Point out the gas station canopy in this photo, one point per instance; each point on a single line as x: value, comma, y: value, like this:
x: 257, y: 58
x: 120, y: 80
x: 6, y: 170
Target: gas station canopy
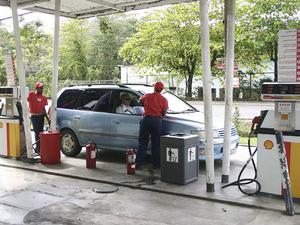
x: 90, y: 8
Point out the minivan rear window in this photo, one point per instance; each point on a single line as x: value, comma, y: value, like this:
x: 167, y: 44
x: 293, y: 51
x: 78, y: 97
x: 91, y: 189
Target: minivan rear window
x: 68, y: 99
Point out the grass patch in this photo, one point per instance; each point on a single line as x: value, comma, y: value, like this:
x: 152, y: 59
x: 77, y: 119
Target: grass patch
x: 244, y: 141
x: 243, y: 131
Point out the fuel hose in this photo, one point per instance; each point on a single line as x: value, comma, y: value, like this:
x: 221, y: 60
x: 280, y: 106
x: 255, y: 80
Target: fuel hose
x: 246, y: 181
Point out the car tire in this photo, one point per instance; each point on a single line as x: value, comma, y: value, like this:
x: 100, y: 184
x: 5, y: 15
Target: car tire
x: 69, y: 143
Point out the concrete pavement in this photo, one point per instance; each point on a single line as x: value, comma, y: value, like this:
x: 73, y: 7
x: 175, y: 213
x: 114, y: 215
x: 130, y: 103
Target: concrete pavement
x: 111, y: 169
x: 40, y: 199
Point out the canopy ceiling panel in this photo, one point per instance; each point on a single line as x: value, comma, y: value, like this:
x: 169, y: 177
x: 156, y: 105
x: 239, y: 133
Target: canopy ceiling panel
x: 90, y: 8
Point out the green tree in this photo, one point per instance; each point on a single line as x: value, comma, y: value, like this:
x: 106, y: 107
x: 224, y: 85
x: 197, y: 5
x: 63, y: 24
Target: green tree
x: 75, y: 45
x: 258, y: 23
x: 111, y: 34
x: 5, y: 48
x: 36, y: 48
x: 168, y: 41
x: 37, y: 51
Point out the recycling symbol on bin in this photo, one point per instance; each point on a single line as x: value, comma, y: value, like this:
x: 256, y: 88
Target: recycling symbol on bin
x: 172, y: 155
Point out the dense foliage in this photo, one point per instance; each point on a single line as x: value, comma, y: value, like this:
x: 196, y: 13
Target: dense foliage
x: 37, y: 52
x: 169, y: 39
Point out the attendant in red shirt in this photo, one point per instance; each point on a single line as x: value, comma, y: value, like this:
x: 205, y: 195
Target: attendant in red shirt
x: 37, y: 102
x: 155, y: 106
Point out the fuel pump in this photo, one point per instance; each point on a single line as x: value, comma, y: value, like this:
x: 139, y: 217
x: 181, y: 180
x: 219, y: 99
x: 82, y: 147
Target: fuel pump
x: 279, y: 142
x: 276, y: 160
x: 278, y: 130
x: 10, y: 97
x: 12, y: 138
x: 285, y: 117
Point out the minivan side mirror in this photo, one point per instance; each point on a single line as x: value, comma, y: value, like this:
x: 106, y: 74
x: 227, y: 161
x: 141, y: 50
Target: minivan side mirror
x: 138, y: 110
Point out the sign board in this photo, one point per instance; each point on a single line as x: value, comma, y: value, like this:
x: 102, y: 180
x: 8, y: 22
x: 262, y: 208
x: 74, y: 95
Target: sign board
x: 289, y: 55
x: 284, y: 107
x: 10, y: 70
x: 221, y: 65
x: 172, y: 155
x: 236, y: 82
x: 191, y: 154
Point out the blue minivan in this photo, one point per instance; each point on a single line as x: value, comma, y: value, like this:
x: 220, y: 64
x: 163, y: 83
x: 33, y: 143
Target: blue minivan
x: 88, y: 113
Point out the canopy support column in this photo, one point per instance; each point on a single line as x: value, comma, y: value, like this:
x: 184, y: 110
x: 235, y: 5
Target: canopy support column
x: 207, y: 96
x: 22, y: 80
x: 229, y: 88
x: 55, y: 65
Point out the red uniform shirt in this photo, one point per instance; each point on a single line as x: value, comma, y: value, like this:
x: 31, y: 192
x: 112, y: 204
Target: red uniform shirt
x: 37, y: 102
x: 154, y: 104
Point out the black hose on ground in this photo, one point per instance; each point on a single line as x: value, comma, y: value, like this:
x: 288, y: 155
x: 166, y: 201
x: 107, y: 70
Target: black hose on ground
x: 240, y: 182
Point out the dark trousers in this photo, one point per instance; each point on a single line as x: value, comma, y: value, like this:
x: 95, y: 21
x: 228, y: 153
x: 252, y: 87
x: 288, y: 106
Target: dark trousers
x: 150, y: 125
x: 38, y: 126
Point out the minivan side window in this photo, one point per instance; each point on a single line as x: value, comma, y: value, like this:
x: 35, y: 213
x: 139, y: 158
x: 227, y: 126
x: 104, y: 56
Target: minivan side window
x: 68, y: 99
x: 90, y: 99
x: 116, y: 99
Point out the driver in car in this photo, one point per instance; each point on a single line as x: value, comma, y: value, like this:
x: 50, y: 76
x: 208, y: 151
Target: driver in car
x: 125, y: 105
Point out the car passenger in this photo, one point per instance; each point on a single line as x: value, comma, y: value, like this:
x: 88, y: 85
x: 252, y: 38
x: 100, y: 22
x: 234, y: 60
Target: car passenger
x: 125, y: 105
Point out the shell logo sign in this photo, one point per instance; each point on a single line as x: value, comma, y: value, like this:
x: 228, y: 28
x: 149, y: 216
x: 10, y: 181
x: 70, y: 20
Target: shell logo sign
x: 268, y: 144
x: 1, y: 125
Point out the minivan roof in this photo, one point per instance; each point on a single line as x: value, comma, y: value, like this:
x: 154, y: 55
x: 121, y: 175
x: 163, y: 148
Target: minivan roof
x: 138, y: 87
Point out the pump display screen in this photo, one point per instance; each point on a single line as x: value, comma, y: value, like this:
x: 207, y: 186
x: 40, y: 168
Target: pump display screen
x: 9, y: 92
x: 6, y: 91
x: 280, y: 91
x: 283, y: 89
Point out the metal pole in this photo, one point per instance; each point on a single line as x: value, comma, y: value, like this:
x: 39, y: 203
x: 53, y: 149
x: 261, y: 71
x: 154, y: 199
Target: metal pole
x: 285, y: 180
x: 207, y: 96
x: 22, y: 81
x: 228, y: 90
x: 55, y: 65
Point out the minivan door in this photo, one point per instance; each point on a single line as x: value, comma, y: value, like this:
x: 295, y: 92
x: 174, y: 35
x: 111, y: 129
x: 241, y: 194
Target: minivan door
x: 95, y: 117
x: 124, y: 126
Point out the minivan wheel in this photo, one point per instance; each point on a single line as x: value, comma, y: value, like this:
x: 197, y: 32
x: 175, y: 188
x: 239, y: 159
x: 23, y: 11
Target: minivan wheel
x: 69, y: 143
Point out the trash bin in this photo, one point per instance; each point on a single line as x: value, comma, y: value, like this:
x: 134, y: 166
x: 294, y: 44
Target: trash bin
x: 179, y: 158
x: 50, y: 147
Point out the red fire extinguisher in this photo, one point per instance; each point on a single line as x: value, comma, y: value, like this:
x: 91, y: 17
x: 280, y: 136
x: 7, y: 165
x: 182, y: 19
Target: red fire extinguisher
x: 130, y: 161
x: 91, y: 155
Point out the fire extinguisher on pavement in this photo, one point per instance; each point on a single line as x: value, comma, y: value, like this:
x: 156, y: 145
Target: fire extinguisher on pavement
x: 91, y: 155
x: 130, y: 161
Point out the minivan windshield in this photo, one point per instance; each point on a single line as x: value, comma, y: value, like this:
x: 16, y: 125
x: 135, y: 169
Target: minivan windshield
x: 177, y: 105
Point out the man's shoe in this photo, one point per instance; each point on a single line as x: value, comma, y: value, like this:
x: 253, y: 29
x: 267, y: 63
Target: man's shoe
x: 36, y: 155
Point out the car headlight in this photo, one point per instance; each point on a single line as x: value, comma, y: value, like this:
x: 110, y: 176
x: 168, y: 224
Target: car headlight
x: 201, y: 133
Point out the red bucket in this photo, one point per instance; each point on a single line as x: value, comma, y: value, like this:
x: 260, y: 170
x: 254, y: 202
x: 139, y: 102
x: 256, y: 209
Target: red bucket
x: 50, y: 147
